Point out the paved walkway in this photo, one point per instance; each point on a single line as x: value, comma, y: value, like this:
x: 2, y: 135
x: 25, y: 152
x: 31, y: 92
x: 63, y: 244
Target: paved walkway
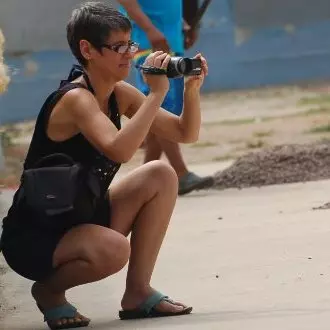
x: 245, y: 259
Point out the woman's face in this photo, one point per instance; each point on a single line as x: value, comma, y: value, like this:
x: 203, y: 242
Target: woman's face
x: 115, y: 56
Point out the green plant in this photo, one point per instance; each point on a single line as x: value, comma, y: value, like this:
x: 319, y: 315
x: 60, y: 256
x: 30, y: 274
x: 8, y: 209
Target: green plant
x: 320, y: 129
x: 261, y: 134
x: 254, y: 144
x: 203, y: 144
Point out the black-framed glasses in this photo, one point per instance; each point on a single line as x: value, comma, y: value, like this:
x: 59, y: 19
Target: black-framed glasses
x: 131, y: 47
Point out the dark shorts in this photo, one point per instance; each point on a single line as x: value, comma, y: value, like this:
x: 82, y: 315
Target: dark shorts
x: 29, y: 250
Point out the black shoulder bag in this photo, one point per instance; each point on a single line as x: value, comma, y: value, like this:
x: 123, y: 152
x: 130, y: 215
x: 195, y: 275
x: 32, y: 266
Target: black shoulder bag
x: 61, y: 192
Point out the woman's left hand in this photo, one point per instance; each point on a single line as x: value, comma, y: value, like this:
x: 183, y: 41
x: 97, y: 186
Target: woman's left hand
x: 196, y: 82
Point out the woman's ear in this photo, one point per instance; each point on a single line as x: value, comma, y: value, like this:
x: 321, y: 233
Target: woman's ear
x: 86, y: 49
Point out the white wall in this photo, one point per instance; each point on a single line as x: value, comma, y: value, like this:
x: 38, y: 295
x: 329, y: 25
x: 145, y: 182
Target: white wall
x: 33, y: 25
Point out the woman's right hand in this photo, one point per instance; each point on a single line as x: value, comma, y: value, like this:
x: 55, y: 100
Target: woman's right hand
x: 157, y: 83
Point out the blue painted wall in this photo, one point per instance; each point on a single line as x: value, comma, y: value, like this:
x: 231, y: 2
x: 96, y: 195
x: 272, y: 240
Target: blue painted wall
x: 237, y: 57
x: 272, y: 55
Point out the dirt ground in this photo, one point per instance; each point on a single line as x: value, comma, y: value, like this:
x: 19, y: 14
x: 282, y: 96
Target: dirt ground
x: 235, y: 123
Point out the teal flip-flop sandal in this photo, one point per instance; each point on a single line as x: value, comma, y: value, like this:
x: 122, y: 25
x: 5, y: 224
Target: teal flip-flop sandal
x: 66, y: 311
x: 147, y: 309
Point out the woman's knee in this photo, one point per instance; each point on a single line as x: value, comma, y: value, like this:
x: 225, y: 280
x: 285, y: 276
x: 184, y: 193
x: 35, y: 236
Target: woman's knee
x: 109, y: 252
x: 162, y: 175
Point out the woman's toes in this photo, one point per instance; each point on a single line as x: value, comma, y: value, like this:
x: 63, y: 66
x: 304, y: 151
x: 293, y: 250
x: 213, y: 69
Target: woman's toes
x: 78, y: 320
x: 70, y: 321
x: 166, y: 306
x: 63, y: 322
x: 57, y: 323
x: 179, y: 304
x: 82, y: 318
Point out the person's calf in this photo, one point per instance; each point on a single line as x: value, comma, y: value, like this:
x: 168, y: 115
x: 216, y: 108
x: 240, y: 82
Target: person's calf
x: 98, y: 253
x: 153, y: 150
x: 151, y: 224
x: 174, y: 155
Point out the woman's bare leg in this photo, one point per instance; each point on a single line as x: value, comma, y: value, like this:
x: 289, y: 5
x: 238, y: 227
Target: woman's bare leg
x: 143, y: 203
x: 87, y: 253
x: 153, y: 149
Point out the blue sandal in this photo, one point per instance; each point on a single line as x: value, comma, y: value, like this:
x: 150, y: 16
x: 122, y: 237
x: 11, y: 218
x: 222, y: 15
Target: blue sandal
x: 147, y: 309
x: 66, y: 311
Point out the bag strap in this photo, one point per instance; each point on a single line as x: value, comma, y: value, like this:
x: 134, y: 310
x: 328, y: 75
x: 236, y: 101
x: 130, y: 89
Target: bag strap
x: 54, y: 159
x: 77, y: 71
x: 88, y: 83
x: 114, y: 112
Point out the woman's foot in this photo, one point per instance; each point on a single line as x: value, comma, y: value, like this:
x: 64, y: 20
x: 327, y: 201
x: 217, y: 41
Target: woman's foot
x: 132, y: 299
x: 47, y: 300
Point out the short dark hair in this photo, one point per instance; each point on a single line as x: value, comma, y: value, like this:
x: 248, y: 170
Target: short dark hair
x: 94, y: 22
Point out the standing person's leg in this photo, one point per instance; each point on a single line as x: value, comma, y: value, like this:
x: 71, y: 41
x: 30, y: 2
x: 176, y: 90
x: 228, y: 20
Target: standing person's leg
x: 151, y: 146
x: 188, y: 181
x: 153, y: 150
x: 155, y: 146
x: 173, y: 153
x: 173, y: 103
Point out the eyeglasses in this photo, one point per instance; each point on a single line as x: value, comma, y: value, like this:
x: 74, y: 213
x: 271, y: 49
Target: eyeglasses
x: 131, y: 47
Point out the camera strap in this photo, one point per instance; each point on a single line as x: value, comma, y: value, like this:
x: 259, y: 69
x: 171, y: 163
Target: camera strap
x: 147, y: 69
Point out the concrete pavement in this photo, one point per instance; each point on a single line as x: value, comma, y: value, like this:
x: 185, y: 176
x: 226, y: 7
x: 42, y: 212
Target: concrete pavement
x: 255, y: 258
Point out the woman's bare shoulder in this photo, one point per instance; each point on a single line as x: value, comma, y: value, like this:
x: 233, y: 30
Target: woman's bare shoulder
x: 127, y: 96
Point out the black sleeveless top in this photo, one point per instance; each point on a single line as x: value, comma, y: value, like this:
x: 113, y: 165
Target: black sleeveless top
x: 77, y: 147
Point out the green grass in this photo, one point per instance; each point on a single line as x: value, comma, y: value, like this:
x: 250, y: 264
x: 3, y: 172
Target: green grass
x: 203, y: 144
x: 236, y: 141
x: 318, y: 100
x: 320, y: 129
x: 255, y: 144
x: 321, y: 109
x: 222, y: 158
x: 317, y: 111
x: 241, y: 121
x: 261, y: 134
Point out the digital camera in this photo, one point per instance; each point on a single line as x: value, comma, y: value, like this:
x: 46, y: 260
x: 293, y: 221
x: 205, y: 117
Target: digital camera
x: 183, y: 66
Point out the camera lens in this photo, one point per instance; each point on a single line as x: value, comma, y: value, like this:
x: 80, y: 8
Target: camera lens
x: 176, y: 67
x: 182, y: 66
